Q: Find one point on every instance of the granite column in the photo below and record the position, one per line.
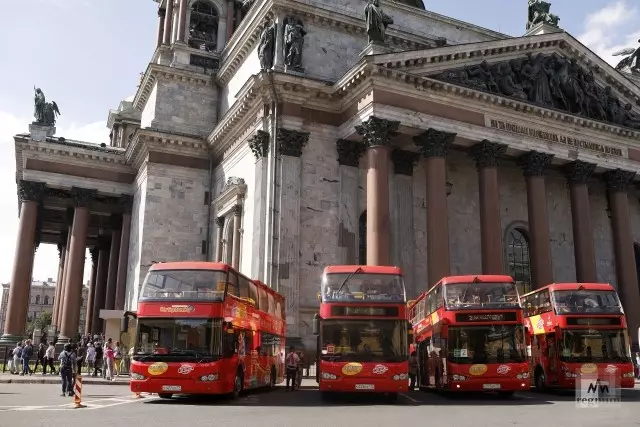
(168, 24)
(236, 243)
(349, 154)
(126, 202)
(62, 251)
(114, 261)
(219, 237)
(259, 144)
(182, 21)
(101, 285)
(160, 37)
(92, 290)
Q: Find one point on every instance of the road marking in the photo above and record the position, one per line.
(90, 405)
(409, 398)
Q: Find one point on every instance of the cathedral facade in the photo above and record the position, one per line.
(281, 137)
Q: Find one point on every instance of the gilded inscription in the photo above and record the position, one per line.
(556, 138)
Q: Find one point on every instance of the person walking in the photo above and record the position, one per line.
(40, 360)
(413, 370)
(67, 360)
(91, 357)
(27, 354)
(49, 356)
(117, 355)
(97, 364)
(110, 358)
(292, 362)
(16, 368)
(638, 366)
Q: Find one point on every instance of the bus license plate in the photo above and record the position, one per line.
(490, 386)
(171, 388)
(365, 387)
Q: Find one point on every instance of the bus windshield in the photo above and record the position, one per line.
(486, 344)
(481, 295)
(361, 287)
(364, 340)
(586, 301)
(593, 345)
(178, 339)
(208, 285)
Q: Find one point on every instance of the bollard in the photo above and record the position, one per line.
(77, 393)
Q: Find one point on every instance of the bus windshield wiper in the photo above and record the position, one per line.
(358, 270)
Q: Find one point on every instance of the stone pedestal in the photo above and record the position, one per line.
(541, 29)
(41, 132)
(375, 49)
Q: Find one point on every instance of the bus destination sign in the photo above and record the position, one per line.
(341, 310)
(486, 317)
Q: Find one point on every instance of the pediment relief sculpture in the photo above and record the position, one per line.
(550, 81)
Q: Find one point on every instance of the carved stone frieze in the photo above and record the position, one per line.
(487, 154)
(376, 132)
(618, 180)
(404, 162)
(233, 181)
(220, 221)
(259, 144)
(236, 210)
(578, 172)
(349, 152)
(291, 142)
(434, 143)
(548, 80)
(534, 163)
(30, 191)
(83, 197)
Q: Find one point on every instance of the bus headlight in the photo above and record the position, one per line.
(523, 376)
(457, 377)
(570, 375)
(628, 375)
(401, 377)
(138, 377)
(329, 376)
(210, 377)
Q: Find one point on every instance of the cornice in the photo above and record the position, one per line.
(144, 140)
(157, 72)
(75, 149)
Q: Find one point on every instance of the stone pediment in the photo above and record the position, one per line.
(552, 71)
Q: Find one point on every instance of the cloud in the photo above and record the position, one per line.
(610, 29)
(46, 261)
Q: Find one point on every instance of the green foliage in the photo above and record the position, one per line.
(43, 322)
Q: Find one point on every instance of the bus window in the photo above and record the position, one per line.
(272, 305)
(253, 293)
(438, 296)
(232, 284)
(280, 309)
(263, 301)
(243, 285)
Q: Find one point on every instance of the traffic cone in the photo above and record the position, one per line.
(77, 393)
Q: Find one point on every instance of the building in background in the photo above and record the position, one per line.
(41, 300)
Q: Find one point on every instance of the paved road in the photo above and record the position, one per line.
(29, 405)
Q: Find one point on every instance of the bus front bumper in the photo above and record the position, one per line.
(490, 384)
(179, 386)
(364, 385)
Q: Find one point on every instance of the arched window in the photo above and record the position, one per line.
(362, 241)
(46, 300)
(37, 299)
(227, 241)
(518, 259)
(203, 26)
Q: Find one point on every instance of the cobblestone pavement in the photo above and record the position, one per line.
(28, 405)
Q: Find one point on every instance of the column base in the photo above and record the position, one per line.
(9, 339)
(63, 340)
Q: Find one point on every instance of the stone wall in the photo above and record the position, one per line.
(249, 67)
(135, 270)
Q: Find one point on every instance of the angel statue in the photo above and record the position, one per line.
(44, 112)
(539, 12)
(632, 60)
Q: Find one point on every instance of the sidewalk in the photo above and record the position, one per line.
(7, 378)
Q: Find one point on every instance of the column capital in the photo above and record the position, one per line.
(487, 154)
(434, 143)
(349, 152)
(377, 132)
(618, 180)
(126, 202)
(220, 221)
(404, 162)
(94, 254)
(31, 191)
(82, 196)
(534, 163)
(578, 172)
(237, 210)
(259, 144)
(291, 142)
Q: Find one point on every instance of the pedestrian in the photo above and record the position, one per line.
(117, 354)
(638, 365)
(110, 358)
(91, 357)
(67, 360)
(413, 370)
(27, 354)
(97, 365)
(292, 368)
(40, 357)
(17, 357)
(50, 356)
(81, 357)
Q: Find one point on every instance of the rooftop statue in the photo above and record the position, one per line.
(539, 12)
(377, 21)
(632, 60)
(44, 112)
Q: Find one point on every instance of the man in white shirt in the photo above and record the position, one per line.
(291, 363)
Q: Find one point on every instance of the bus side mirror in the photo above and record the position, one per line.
(124, 324)
(316, 324)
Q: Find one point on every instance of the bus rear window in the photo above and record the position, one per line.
(207, 285)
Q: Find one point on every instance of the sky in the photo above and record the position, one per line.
(87, 56)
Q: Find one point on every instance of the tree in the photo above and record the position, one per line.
(43, 322)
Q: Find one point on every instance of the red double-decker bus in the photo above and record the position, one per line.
(204, 328)
(362, 331)
(469, 335)
(574, 330)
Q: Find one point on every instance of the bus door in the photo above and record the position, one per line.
(423, 362)
(551, 355)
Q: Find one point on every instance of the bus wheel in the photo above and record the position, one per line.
(237, 385)
(165, 395)
(272, 379)
(505, 394)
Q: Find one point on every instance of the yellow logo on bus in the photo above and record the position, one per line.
(158, 368)
(588, 368)
(352, 368)
(477, 370)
